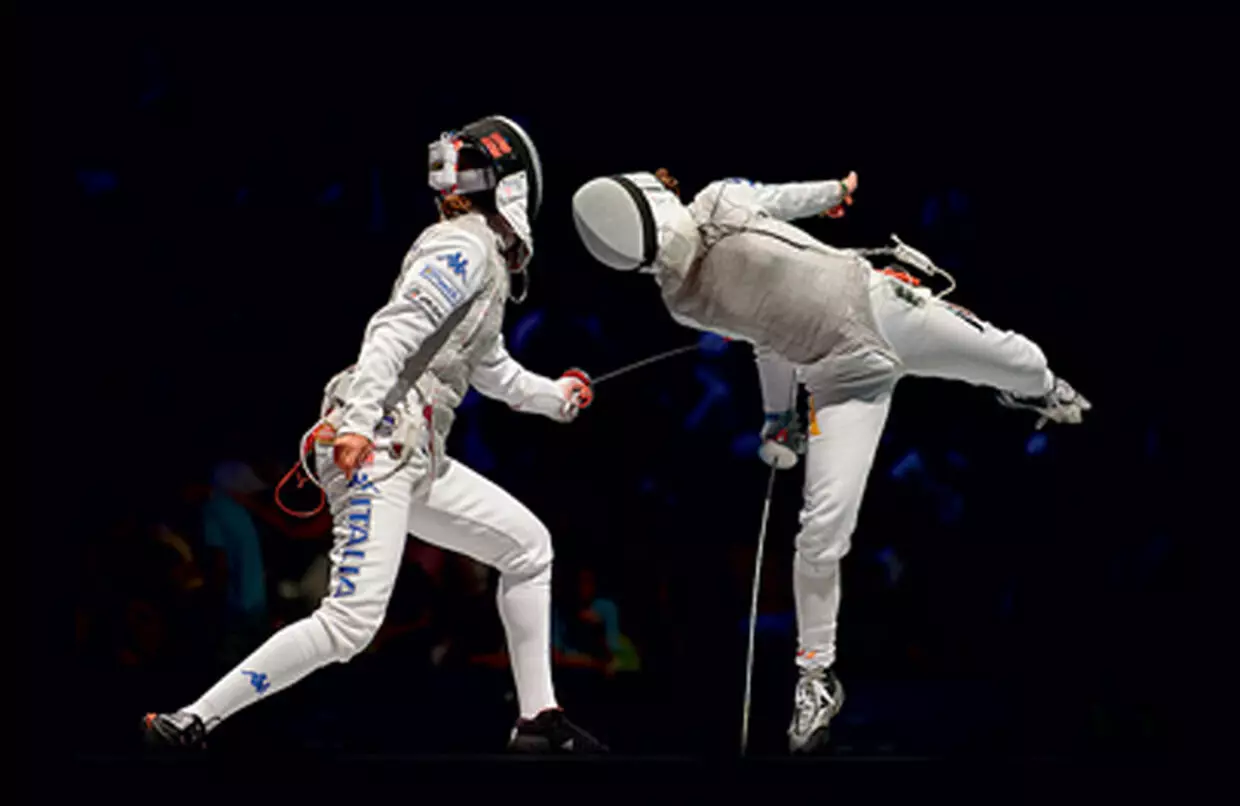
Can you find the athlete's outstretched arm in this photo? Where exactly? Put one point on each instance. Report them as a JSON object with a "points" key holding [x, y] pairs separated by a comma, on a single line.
{"points": [[795, 200], [436, 283], [501, 377]]}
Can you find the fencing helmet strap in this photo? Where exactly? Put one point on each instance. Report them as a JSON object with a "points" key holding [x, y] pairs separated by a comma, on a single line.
{"points": [[650, 236], [616, 220], [513, 172]]}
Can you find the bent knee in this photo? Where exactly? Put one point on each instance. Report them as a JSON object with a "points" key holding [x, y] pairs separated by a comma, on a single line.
{"points": [[826, 534], [532, 553], [1030, 354], [350, 626], [821, 555], [1028, 366]]}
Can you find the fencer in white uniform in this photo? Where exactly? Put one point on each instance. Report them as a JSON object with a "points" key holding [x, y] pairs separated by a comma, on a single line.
{"points": [[379, 448], [731, 264]]}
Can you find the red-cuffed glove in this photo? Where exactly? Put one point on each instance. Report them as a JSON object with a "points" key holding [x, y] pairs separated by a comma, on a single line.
{"points": [[783, 440], [578, 392], [850, 186]]}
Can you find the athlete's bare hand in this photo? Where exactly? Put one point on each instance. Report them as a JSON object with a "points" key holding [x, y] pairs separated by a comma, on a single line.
{"points": [[850, 183], [350, 451]]}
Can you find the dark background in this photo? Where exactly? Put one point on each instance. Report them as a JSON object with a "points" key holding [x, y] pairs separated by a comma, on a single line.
{"points": [[218, 205]]}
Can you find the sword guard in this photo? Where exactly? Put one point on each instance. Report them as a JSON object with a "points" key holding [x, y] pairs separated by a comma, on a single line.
{"points": [[586, 396]]}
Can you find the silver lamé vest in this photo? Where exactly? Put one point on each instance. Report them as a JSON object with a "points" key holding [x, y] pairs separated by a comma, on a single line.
{"points": [[755, 278]]}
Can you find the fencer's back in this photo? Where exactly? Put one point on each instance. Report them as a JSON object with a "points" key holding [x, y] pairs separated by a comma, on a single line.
{"points": [[770, 283]]}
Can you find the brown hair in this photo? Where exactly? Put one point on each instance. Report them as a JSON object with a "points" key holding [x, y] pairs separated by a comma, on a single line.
{"points": [[455, 205], [668, 180]]}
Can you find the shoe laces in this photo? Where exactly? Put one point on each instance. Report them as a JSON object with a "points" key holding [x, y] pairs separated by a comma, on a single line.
{"points": [[576, 732], [812, 694], [180, 727], [1062, 404]]}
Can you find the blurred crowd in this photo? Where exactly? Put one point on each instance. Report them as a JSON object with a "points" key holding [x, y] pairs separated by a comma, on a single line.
{"points": [[170, 601]]}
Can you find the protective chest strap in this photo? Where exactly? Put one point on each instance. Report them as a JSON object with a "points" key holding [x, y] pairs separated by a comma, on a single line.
{"points": [[650, 236]]}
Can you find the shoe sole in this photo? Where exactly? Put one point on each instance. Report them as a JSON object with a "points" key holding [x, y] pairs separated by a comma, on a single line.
{"points": [[814, 745], [155, 739], [531, 744], [540, 745], [151, 735]]}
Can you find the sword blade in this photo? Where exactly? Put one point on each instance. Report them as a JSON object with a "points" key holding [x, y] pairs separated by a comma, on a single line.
{"points": [[636, 364]]}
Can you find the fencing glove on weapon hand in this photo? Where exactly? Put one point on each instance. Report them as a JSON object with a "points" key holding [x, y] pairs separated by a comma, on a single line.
{"points": [[578, 393], [783, 440]]}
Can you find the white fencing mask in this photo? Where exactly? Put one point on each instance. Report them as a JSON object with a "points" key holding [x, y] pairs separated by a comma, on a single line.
{"points": [[624, 219]]}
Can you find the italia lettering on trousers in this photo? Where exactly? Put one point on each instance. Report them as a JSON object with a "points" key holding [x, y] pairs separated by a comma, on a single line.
{"points": [[362, 482], [346, 586], [359, 532]]}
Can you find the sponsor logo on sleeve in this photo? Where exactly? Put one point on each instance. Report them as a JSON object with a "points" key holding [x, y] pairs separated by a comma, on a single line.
{"points": [[423, 299], [441, 284], [456, 263]]}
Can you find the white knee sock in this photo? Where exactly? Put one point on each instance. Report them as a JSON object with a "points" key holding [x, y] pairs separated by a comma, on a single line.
{"points": [[817, 591], [286, 657], [525, 610]]}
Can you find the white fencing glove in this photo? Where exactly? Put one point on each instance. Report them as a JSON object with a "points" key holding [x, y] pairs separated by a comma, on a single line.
{"points": [[783, 440]]}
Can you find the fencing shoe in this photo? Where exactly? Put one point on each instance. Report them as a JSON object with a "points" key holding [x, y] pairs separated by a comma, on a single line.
{"points": [[819, 697], [551, 733], [1062, 404], [180, 730]]}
